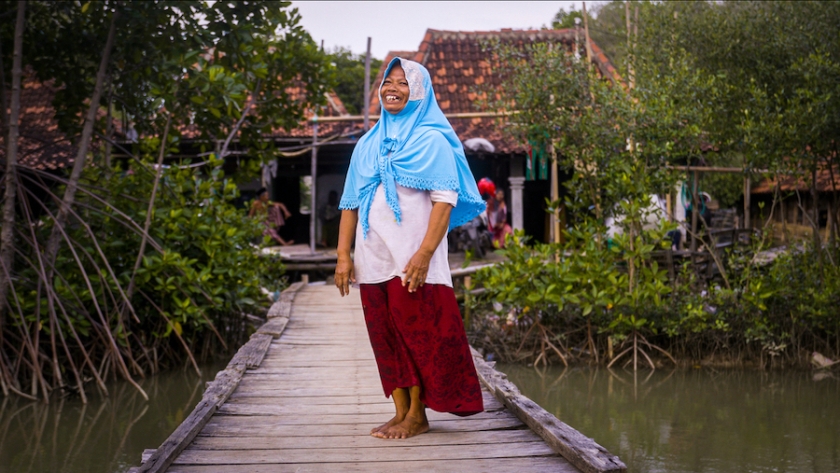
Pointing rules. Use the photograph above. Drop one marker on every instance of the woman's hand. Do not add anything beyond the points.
(344, 274)
(417, 269)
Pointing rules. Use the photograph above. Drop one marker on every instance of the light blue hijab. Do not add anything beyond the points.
(415, 148)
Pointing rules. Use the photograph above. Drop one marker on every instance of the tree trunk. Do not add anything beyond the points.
(816, 220)
(84, 143)
(7, 248)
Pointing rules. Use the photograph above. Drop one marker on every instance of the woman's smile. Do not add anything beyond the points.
(394, 92)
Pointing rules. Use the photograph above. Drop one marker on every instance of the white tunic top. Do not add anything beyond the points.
(390, 245)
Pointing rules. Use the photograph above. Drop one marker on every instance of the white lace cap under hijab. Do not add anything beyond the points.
(415, 79)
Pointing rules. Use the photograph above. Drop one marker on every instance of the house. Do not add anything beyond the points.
(459, 64)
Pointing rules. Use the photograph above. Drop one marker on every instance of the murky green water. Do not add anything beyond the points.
(107, 435)
(703, 420)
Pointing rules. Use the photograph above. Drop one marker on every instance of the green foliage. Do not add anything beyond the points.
(350, 78)
(201, 270)
(735, 84)
(563, 19)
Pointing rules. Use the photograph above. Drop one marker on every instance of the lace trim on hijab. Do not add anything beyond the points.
(415, 80)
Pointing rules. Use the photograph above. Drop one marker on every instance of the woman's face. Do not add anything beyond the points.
(500, 196)
(394, 92)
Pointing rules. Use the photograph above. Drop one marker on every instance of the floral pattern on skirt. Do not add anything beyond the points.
(419, 340)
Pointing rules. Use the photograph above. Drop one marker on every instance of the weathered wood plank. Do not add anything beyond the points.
(278, 416)
(253, 351)
(283, 307)
(217, 392)
(274, 327)
(330, 455)
(336, 402)
(283, 415)
(581, 451)
(554, 464)
(235, 426)
(500, 438)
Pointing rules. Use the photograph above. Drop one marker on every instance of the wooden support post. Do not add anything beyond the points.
(586, 37)
(694, 212)
(555, 197)
(747, 189)
(313, 187)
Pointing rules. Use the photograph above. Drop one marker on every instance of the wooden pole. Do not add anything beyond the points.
(694, 212)
(586, 37)
(313, 212)
(747, 190)
(555, 196)
(366, 105)
(629, 48)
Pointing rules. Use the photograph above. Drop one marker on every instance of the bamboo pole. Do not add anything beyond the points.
(694, 213)
(313, 213)
(586, 37)
(361, 118)
(555, 196)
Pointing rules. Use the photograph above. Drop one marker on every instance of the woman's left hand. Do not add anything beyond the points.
(416, 270)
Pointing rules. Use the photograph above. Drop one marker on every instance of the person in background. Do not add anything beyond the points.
(274, 215)
(330, 218)
(498, 220)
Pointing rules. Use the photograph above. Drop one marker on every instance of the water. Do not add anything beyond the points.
(699, 420)
(107, 435)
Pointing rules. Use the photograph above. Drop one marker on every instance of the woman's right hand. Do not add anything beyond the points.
(344, 274)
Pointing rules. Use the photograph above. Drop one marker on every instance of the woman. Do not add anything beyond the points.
(274, 213)
(498, 220)
(408, 184)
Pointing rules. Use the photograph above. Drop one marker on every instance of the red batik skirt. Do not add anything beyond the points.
(419, 340)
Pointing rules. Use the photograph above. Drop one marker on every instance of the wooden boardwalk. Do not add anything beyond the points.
(312, 395)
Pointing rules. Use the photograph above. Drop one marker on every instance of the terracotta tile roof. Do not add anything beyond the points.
(802, 184)
(458, 64)
(41, 144)
(333, 108)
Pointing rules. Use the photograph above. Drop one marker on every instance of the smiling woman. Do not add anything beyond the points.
(395, 91)
(410, 160)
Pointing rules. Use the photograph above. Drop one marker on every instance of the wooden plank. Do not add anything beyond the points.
(554, 464)
(278, 415)
(581, 451)
(217, 392)
(329, 455)
(317, 391)
(283, 307)
(274, 327)
(235, 426)
(253, 351)
(175, 443)
(490, 402)
(501, 438)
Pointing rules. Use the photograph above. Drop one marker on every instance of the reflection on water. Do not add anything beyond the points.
(697, 420)
(105, 436)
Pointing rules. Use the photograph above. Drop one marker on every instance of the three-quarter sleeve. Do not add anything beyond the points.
(449, 197)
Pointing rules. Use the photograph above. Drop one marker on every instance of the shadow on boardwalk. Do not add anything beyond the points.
(304, 393)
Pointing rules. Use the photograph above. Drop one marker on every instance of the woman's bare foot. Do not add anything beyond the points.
(288, 243)
(394, 421)
(409, 427)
